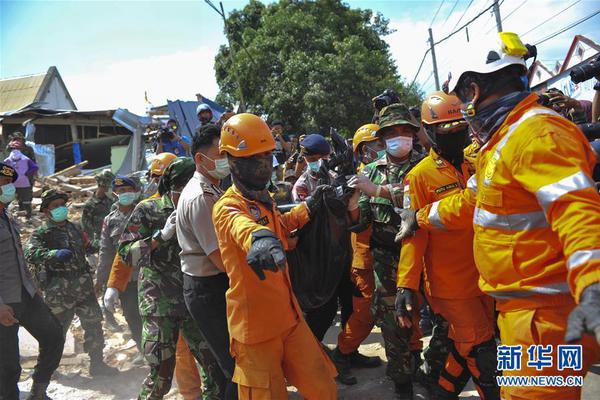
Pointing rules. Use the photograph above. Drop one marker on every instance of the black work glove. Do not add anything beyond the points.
(266, 253)
(586, 316)
(409, 224)
(405, 299)
(315, 201)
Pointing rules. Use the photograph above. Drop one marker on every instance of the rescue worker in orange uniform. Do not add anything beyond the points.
(367, 148)
(270, 340)
(535, 212)
(186, 371)
(446, 259)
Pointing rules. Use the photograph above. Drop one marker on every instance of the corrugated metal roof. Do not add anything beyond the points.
(16, 93)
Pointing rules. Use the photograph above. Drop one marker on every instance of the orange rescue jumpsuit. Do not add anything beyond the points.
(449, 273)
(535, 213)
(270, 340)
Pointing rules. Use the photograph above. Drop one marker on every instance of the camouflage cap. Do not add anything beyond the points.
(17, 135)
(51, 194)
(394, 114)
(178, 173)
(105, 178)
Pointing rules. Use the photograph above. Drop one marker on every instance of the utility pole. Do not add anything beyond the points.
(221, 12)
(497, 14)
(434, 61)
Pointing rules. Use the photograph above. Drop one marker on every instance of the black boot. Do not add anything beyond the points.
(342, 363)
(99, 368)
(358, 360)
(38, 391)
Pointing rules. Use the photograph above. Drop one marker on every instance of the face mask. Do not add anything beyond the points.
(59, 214)
(127, 198)
(221, 168)
(253, 172)
(399, 146)
(314, 166)
(8, 193)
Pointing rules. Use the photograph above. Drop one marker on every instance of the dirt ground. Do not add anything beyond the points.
(73, 382)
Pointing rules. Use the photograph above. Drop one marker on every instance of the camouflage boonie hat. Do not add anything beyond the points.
(179, 171)
(105, 178)
(394, 114)
(50, 195)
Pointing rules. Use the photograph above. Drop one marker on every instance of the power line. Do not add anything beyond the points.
(420, 66)
(549, 19)
(463, 14)
(508, 15)
(566, 28)
(436, 13)
(450, 13)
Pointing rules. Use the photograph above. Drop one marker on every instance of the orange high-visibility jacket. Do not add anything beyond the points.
(534, 209)
(257, 310)
(445, 257)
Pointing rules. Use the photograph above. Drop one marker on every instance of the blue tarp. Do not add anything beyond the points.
(184, 112)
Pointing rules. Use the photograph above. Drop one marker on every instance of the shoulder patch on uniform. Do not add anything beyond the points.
(254, 211)
(264, 221)
(445, 188)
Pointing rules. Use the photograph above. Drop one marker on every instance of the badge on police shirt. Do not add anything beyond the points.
(445, 188)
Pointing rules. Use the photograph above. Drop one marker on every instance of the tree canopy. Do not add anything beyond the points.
(312, 64)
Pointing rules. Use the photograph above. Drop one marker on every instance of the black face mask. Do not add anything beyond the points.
(451, 145)
(205, 119)
(252, 172)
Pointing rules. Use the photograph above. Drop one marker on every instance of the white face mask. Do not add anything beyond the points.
(221, 169)
(399, 146)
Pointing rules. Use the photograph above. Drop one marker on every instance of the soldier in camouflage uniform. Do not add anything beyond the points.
(376, 208)
(58, 248)
(149, 241)
(128, 190)
(97, 208)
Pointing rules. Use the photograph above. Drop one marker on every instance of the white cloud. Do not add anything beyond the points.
(168, 76)
(410, 40)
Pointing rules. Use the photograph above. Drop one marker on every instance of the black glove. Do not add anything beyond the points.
(405, 299)
(409, 224)
(315, 201)
(586, 316)
(266, 252)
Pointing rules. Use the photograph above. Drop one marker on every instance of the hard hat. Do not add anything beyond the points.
(160, 162)
(365, 133)
(244, 135)
(511, 52)
(440, 107)
(203, 107)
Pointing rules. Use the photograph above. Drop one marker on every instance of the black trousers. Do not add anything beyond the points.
(321, 318)
(205, 300)
(131, 312)
(35, 316)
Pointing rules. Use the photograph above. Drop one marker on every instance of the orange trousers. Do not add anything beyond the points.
(361, 321)
(546, 326)
(261, 369)
(470, 323)
(186, 372)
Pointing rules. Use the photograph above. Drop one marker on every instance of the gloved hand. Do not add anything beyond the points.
(405, 299)
(586, 316)
(266, 253)
(364, 184)
(111, 296)
(409, 224)
(315, 201)
(169, 230)
(63, 255)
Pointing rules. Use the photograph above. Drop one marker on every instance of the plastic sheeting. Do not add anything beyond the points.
(184, 112)
(44, 157)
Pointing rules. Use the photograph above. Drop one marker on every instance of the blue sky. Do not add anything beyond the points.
(110, 52)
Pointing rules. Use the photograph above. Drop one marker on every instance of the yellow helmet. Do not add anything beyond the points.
(160, 162)
(245, 135)
(365, 133)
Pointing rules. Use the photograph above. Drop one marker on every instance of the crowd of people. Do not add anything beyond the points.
(474, 221)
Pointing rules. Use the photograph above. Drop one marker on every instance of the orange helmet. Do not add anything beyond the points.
(440, 107)
(245, 135)
(365, 133)
(160, 162)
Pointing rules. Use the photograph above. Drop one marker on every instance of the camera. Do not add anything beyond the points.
(587, 71)
(389, 96)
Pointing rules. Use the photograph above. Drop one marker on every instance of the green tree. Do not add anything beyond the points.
(312, 64)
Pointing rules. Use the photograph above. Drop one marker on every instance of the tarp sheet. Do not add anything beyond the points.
(44, 157)
(184, 112)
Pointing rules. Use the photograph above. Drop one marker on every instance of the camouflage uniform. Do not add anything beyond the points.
(95, 210)
(68, 288)
(161, 303)
(379, 213)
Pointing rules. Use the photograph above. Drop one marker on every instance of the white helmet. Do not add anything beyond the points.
(511, 52)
